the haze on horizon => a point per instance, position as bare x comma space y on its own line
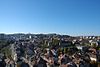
72, 17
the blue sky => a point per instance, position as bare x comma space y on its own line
72, 17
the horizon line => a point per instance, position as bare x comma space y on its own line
46, 33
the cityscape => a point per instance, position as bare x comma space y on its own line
49, 50
49, 33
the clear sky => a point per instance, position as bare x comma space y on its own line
72, 17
